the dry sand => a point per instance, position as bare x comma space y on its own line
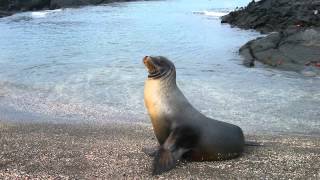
113, 151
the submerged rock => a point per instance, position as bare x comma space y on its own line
292, 49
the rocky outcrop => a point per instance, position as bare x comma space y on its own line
4, 8
23, 5
71, 3
5, 13
295, 42
4, 4
293, 49
276, 15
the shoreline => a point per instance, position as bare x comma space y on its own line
44, 150
9, 115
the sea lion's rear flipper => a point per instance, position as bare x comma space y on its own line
180, 141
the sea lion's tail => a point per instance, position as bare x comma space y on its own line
252, 143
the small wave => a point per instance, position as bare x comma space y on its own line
42, 14
28, 16
211, 13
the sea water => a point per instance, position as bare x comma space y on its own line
85, 65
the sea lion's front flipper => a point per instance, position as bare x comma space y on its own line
151, 151
180, 141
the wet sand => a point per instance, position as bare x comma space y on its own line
113, 151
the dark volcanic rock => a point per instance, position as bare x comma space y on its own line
4, 4
276, 15
295, 46
293, 49
27, 5
5, 13
8, 7
23, 5
72, 3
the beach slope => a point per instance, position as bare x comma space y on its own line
111, 151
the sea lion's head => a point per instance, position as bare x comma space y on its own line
159, 67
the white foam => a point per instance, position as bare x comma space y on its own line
39, 14
42, 14
211, 13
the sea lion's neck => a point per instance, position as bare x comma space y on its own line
161, 86
156, 93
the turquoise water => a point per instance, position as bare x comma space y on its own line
85, 65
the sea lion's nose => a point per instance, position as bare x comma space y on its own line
145, 59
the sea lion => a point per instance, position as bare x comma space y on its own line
181, 130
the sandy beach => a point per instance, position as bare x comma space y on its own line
81, 63
113, 151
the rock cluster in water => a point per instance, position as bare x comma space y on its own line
295, 41
276, 15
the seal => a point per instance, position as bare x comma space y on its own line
181, 130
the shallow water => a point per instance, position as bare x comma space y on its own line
85, 65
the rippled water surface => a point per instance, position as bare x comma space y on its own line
85, 65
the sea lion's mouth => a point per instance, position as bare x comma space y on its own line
152, 70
